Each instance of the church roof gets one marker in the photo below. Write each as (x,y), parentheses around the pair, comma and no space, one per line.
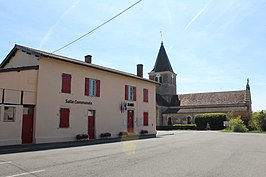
(213,98)
(162,62)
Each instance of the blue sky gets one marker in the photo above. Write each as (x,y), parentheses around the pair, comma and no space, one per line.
(213,45)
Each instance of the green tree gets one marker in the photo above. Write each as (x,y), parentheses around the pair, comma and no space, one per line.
(259,120)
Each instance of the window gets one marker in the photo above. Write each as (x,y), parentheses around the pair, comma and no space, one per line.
(172,79)
(158,78)
(92,87)
(145,95)
(145,119)
(64,118)
(130,93)
(66,83)
(9,114)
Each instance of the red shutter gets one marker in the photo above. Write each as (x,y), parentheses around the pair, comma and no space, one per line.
(98,88)
(64,118)
(66,83)
(145,95)
(145,119)
(134,94)
(126,92)
(87,84)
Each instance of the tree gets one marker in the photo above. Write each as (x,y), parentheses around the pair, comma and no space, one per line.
(259,120)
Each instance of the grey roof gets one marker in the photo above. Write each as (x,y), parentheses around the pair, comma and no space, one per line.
(39,53)
(160,101)
(162,62)
(209,102)
(213,98)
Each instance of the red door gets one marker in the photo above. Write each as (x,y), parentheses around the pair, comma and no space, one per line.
(130,121)
(91,124)
(27,125)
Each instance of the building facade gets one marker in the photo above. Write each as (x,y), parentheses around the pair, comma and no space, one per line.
(172,108)
(51,98)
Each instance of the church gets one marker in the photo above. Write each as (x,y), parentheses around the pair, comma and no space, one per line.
(173,108)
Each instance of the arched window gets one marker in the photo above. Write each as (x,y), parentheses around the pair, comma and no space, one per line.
(188,120)
(169,121)
(158,78)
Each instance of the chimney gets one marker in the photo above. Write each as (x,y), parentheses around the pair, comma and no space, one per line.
(88,58)
(140,70)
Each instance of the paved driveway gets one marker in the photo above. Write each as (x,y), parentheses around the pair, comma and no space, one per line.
(185,153)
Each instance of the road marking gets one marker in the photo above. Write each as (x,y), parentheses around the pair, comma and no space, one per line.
(1,163)
(27,173)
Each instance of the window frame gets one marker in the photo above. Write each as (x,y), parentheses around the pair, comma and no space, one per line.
(146,118)
(66,83)
(13,112)
(92,87)
(62,123)
(145,95)
(130,93)
(158,78)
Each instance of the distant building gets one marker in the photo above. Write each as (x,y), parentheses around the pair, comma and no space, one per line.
(172,108)
(51,98)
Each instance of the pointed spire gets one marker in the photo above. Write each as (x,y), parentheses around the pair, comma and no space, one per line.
(162,62)
(247,86)
(248,96)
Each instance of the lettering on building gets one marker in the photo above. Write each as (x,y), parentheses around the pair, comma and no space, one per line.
(69,101)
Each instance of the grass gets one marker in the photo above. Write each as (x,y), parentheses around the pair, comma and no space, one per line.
(256,131)
(252,131)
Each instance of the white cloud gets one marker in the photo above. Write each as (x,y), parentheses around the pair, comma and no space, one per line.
(47,36)
(196,16)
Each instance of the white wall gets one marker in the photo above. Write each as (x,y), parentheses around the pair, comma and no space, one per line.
(10,132)
(108,115)
(22,59)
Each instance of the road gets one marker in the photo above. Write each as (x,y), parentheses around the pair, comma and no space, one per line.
(184,154)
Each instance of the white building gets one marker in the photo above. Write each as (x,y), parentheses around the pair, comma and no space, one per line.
(50,98)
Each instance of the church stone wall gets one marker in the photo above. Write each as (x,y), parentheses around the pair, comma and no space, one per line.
(186,116)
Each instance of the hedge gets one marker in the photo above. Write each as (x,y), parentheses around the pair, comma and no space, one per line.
(215,121)
(177,127)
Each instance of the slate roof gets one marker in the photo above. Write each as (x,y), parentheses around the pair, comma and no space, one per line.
(198,102)
(160,101)
(39,53)
(162,62)
(213,98)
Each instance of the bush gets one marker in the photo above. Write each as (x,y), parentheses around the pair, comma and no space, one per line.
(168,127)
(215,121)
(177,127)
(201,122)
(105,135)
(184,127)
(259,120)
(122,134)
(82,136)
(244,115)
(237,125)
(143,132)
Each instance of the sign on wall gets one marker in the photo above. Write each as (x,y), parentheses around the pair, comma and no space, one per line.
(69,101)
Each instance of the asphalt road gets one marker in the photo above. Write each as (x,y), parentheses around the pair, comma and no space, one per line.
(186,153)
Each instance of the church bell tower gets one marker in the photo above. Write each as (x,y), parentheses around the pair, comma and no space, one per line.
(164,75)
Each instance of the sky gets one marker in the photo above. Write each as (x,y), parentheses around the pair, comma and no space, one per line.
(213,45)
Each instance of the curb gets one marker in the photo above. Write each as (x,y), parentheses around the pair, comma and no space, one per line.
(47,146)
